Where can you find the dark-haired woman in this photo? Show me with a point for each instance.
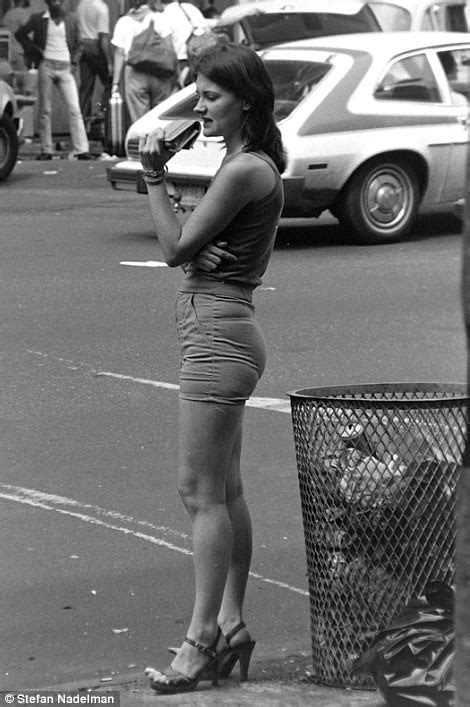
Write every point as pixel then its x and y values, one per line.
pixel 222 346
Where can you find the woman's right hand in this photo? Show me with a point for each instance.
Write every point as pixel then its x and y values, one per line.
pixel 152 151
pixel 210 257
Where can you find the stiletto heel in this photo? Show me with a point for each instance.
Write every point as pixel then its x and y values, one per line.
pixel 244 658
pixel 178 682
pixel 231 655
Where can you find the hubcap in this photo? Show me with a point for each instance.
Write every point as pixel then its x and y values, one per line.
pixel 387 197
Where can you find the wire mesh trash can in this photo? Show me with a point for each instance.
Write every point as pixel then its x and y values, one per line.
pixel 378 468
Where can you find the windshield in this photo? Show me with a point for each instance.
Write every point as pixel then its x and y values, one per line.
pixel 390 17
pixel 438 16
pixel 445 17
pixel 273 28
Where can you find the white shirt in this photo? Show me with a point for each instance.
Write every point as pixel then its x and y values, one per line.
pixel 127 28
pixel 56 47
pixel 93 18
pixel 181 26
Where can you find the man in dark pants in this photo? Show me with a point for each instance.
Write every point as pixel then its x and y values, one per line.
pixel 51 41
pixel 93 18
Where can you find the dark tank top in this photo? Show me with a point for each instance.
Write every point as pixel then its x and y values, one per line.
pixel 250 236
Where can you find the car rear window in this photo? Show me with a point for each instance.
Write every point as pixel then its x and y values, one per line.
pixel 293 81
pixel 273 28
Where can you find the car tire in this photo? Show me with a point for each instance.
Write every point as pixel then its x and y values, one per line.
pixel 380 201
pixel 8 146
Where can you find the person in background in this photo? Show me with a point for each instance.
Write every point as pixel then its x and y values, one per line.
pixel 183 18
pixel 223 352
pixel 51 41
pixel 13 20
pixel 95 60
pixel 142 91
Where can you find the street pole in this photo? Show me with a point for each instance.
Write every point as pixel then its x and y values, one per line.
pixel 462 589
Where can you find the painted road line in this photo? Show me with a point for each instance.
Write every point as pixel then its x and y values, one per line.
pixel 146 264
pixel 275 404
pixel 94 515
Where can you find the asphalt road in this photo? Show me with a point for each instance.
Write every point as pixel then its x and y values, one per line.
pixel 96 570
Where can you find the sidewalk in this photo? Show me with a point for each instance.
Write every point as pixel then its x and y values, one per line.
pixel 272 684
pixel 31 147
pixel 258 693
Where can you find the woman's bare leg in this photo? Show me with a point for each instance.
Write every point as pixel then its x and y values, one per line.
pixel 208 433
pixel 230 614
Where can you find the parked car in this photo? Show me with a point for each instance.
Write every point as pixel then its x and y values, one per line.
pixel 372 130
pixel 9 126
pixel 421 15
pixel 264 23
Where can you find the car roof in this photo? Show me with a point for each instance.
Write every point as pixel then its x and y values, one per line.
pixel 384 42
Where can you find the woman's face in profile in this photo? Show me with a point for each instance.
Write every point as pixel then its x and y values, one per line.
pixel 221 112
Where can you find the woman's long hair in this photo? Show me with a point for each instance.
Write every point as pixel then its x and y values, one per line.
pixel 240 70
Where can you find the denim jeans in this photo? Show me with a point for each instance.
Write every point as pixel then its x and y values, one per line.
pixel 60 73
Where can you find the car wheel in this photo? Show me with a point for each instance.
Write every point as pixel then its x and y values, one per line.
pixel 8 146
pixel 381 201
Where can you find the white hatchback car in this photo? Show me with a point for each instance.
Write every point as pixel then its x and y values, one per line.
pixel 9 128
pixel 372 130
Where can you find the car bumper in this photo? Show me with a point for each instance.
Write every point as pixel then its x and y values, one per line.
pixel 187 190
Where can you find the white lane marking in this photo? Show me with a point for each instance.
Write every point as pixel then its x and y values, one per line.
pixel 146 264
pixel 64 505
pixel 53 499
pixel 275 404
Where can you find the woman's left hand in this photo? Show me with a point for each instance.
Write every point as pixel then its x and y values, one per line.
pixel 152 151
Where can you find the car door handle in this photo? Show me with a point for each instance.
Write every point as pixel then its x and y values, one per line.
pixel 463 120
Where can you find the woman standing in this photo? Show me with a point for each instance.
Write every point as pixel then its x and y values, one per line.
pixel 223 349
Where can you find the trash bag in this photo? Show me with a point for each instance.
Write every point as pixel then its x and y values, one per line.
pixel 412 660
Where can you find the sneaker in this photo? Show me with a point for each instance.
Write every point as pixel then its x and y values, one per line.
pixel 84 156
pixel 44 156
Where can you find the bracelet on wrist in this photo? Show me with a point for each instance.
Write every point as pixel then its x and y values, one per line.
pixel 154 176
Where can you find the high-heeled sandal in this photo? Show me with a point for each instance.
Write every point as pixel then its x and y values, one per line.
pixel 231 655
pixel 178 682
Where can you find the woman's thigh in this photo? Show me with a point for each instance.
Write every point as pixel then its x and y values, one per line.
pixel 209 436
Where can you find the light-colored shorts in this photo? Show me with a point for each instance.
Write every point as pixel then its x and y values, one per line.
pixel 223 352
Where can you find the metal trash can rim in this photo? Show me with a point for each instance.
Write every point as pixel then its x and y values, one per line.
pixel 357 393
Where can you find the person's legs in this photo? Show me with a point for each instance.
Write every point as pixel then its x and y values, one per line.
pixel 230 614
pixel 159 90
pixel 209 433
pixel 69 91
pixel 136 92
pixel 45 80
pixel 87 84
pixel 92 64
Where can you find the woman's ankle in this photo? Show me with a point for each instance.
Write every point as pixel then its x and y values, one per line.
pixel 206 635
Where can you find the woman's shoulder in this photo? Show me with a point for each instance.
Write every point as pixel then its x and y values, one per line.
pixel 252 172
pixel 246 163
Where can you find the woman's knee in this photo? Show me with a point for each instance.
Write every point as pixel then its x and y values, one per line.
pixel 198 495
